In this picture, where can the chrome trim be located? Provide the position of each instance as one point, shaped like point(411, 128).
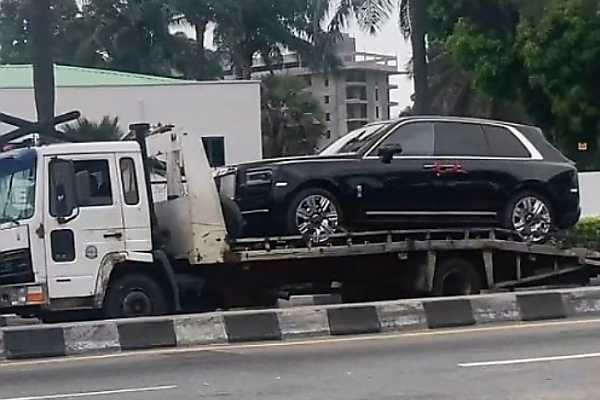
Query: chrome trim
point(426, 213)
point(574, 190)
point(281, 184)
point(259, 211)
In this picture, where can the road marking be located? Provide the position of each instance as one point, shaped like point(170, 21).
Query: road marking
point(94, 394)
point(530, 360)
point(296, 343)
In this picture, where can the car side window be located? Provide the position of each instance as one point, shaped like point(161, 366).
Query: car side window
point(416, 139)
point(455, 139)
point(504, 143)
point(93, 183)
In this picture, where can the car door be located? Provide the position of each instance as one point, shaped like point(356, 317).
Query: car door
point(77, 247)
point(403, 188)
point(468, 186)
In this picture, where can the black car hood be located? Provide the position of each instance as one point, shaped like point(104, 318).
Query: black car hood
point(273, 162)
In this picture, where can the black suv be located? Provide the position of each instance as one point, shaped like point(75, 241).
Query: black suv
point(413, 172)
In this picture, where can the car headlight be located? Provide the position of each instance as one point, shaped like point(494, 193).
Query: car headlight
point(259, 177)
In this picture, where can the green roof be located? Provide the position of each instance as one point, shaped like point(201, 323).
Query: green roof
point(21, 77)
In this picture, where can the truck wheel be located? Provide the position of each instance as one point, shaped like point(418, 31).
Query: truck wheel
point(135, 295)
point(456, 277)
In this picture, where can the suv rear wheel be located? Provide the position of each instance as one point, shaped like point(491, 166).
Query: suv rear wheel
point(530, 215)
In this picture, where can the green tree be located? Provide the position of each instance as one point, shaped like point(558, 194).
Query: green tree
point(107, 129)
point(292, 119)
point(561, 50)
point(245, 29)
point(15, 31)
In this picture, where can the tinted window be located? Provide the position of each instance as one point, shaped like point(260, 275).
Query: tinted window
point(503, 143)
point(129, 181)
point(93, 183)
point(459, 139)
point(416, 139)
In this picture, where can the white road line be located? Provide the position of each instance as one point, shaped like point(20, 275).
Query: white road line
point(94, 394)
point(530, 360)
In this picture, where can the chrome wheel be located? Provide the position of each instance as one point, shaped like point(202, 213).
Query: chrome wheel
point(531, 219)
point(317, 217)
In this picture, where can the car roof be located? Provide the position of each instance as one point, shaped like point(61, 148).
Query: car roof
point(451, 118)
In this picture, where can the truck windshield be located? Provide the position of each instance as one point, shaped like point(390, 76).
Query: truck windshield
point(17, 185)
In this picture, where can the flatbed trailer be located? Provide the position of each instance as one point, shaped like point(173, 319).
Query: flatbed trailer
point(387, 265)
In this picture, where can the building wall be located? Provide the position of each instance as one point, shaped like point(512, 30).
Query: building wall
point(221, 109)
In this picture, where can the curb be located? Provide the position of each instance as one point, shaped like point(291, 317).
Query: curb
point(102, 337)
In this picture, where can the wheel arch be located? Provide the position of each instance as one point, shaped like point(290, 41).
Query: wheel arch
point(536, 187)
point(159, 269)
point(320, 183)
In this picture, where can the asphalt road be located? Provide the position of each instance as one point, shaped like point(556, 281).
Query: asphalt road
point(551, 361)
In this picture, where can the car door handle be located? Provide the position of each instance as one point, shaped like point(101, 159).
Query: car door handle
point(439, 169)
point(116, 235)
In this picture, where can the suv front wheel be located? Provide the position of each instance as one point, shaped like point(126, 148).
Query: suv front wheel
point(314, 214)
point(530, 215)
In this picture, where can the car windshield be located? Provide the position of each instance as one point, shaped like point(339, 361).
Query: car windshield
point(353, 141)
point(17, 185)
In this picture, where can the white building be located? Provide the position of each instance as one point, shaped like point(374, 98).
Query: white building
point(360, 94)
point(226, 114)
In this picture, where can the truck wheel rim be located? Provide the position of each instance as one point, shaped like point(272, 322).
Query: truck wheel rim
point(136, 304)
point(531, 219)
point(317, 217)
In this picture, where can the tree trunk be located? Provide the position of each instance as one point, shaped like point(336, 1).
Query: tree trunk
point(200, 29)
point(43, 66)
point(418, 19)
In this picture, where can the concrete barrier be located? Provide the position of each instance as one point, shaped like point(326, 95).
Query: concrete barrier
point(313, 321)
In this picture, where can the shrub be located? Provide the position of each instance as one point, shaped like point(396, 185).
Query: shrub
point(588, 226)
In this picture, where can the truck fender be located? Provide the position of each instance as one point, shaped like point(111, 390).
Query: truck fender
point(106, 267)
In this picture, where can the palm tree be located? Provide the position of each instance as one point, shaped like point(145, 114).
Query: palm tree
point(266, 28)
point(371, 14)
point(198, 13)
point(43, 66)
point(90, 131)
point(292, 119)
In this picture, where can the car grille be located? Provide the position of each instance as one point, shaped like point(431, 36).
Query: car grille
point(16, 267)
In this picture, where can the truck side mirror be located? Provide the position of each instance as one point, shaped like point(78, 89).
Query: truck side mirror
point(388, 151)
point(63, 191)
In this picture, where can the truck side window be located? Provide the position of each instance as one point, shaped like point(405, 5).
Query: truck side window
point(129, 181)
point(93, 183)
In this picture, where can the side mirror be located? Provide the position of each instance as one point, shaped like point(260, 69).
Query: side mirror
point(63, 190)
point(388, 152)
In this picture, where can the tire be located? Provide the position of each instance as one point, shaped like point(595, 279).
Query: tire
point(291, 223)
point(135, 295)
point(456, 277)
point(549, 226)
point(234, 220)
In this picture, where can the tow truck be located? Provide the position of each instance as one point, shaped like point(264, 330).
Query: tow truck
point(103, 230)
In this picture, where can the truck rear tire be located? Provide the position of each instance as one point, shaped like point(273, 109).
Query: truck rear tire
point(456, 277)
point(135, 295)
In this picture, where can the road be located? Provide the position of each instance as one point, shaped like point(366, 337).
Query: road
point(548, 361)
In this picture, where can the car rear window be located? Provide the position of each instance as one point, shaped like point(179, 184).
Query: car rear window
point(504, 143)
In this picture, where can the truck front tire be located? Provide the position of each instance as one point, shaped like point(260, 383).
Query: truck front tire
point(135, 295)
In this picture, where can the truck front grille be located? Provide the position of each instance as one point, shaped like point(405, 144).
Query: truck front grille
point(16, 267)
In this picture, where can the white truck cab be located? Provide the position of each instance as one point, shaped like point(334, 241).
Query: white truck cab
point(75, 216)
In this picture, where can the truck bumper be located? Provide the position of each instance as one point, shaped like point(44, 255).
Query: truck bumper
point(17, 296)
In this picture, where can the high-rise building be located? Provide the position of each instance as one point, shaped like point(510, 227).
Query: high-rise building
point(360, 94)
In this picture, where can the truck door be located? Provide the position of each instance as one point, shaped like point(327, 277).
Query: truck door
point(76, 248)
